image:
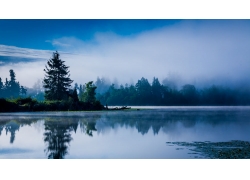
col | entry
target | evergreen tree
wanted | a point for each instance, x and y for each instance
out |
(75, 96)
(157, 91)
(11, 89)
(144, 92)
(57, 79)
(89, 94)
(1, 88)
(6, 93)
(81, 92)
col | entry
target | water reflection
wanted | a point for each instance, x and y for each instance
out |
(11, 125)
(186, 125)
(58, 134)
(88, 124)
(57, 137)
(169, 121)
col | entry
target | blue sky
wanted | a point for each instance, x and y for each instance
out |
(186, 51)
(35, 34)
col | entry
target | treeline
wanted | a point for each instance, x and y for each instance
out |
(58, 94)
(144, 93)
(31, 105)
(11, 88)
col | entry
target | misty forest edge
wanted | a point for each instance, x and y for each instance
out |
(59, 96)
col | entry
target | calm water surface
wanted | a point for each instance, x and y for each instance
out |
(148, 133)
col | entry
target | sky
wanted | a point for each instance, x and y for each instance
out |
(199, 52)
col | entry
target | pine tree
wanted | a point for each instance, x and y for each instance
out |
(11, 89)
(14, 86)
(6, 88)
(57, 79)
(75, 96)
(1, 88)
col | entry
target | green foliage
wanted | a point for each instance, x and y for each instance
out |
(28, 104)
(23, 101)
(89, 93)
(57, 79)
(7, 106)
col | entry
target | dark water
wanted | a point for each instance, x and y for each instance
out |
(155, 132)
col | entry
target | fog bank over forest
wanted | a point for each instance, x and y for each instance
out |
(175, 81)
(202, 53)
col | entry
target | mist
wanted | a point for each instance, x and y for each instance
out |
(199, 52)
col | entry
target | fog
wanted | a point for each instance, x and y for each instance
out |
(197, 52)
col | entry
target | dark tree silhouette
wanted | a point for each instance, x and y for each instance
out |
(190, 94)
(74, 96)
(144, 92)
(1, 128)
(11, 88)
(157, 91)
(57, 79)
(1, 88)
(57, 136)
(14, 87)
(81, 91)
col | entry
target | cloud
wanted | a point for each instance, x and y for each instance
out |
(196, 51)
(58, 43)
(28, 64)
(12, 51)
(14, 59)
(66, 43)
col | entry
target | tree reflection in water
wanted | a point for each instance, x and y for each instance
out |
(13, 125)
(87, 127)
(57, 136)
(58, 130)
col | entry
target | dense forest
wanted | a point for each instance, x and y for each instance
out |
(56, 93)
(144, 93)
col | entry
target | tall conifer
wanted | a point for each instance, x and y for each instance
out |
(57, 79)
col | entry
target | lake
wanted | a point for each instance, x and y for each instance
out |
(148, 133)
